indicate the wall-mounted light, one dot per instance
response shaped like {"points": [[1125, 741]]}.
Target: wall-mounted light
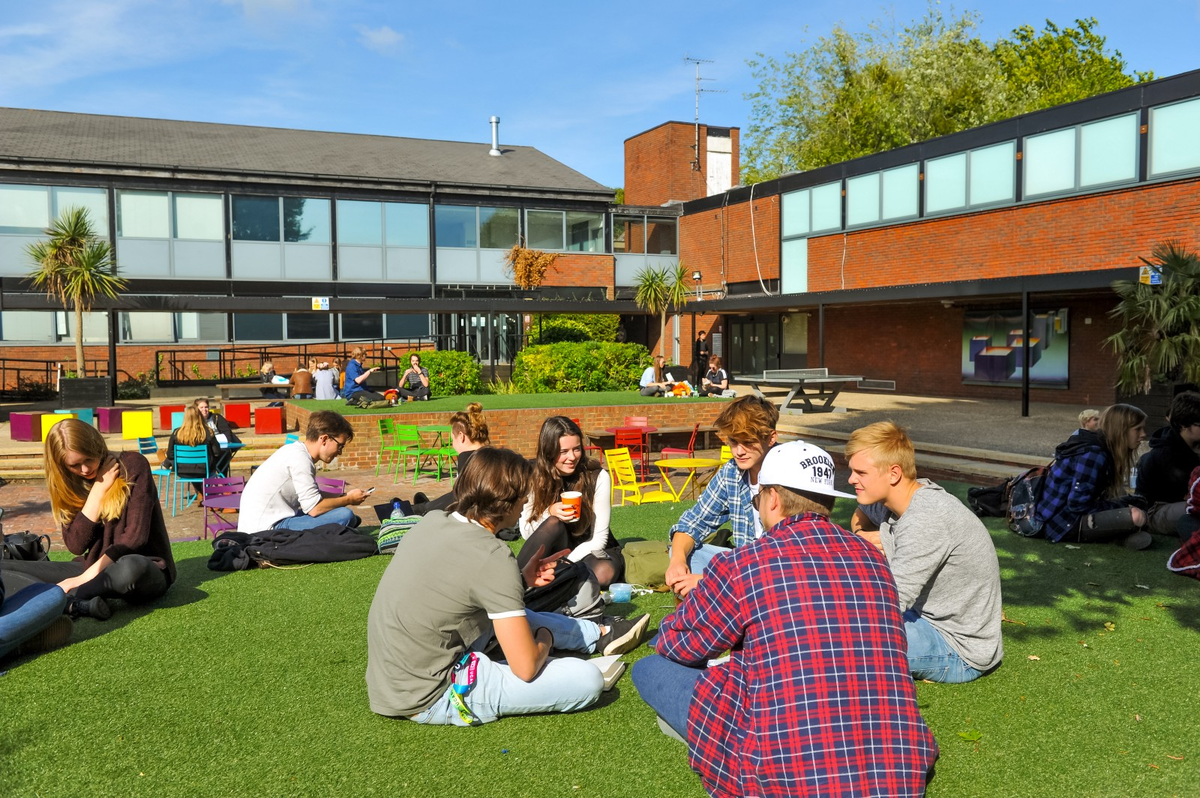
{"points": [[696, 277]]}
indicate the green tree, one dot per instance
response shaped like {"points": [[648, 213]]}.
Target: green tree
{"points": [[1159, 337], [75, 266], [853, 94], [659, 291]]}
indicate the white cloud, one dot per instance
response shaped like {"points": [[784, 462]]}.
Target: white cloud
{"points": [[382, 40]]}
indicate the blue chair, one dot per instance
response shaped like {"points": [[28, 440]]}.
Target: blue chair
{"points": [[292, 437], [148, 447], [176, 421], [187, 455]]}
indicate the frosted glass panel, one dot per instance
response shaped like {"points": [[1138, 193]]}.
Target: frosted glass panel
{"points": [[827, 207], [140, 257], [24, 209], [795, 214], [1108, 151], [946, 183], [1050, 162], [900, 187], [148, 327], [1174, 136], [360, 263], [992, 173], [95, 200], [795, 267], [199, 217], [862, 199], [143, 215]]}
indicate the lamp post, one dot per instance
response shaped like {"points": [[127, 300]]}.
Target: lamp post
{"points": [[696, 277]]}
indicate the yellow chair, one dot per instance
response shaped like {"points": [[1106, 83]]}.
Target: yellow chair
{"points": [[726, 454], [620, 466], [50, 419], [137, 424]]}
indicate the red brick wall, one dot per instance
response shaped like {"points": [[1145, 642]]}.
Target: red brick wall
{"points": [[658, 164], [518, 429], [919, 346], [725, 249], [577, 268]]}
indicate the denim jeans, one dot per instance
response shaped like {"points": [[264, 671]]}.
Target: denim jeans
{"points": [[29, 611], [702, 555], [338, 515], [931, 657], [564, 685], [667, 687]]}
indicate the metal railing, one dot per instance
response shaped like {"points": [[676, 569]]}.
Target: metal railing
{"points": [[31, 380]]}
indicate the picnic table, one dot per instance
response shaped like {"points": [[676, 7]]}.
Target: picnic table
{"points": [[812, 390], [257, 387]]}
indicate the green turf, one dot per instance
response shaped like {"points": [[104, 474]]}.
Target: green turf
{"points": [[252, 684], [449, 404]]}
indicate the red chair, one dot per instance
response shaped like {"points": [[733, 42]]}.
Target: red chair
{"points": [[587, 446], [634, 440], [637, 421], [690, 451]]}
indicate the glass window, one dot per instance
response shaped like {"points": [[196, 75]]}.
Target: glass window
{"points": [[255, 219], [795, 213], [360, 222], [629, 235], [258, 326], [1050, 162], [1173, 137], [454, 226], [407, 325], [407, 225], [28, 325], [900, 187], [992, 173], [201, 326], [307, 326], [661, 238], [143, 214], [199, 217], [24, 209], [95, 200], [1108, 151], [946, 183], [585, 231], [498, 227], [544, 230], [147, 326], [862, 199], [794, 274], [305, 220], [362, 325], [827, 207]]}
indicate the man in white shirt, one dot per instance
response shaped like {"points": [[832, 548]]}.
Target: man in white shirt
{"points": [[283, 493]]}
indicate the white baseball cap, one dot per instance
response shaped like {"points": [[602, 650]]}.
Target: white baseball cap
{"points": [[800, 466]]}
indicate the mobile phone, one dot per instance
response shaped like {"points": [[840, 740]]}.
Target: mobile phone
{"points": [[369, 491]]}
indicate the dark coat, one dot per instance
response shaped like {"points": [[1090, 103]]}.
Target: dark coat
{"points": [[1163, 471]]}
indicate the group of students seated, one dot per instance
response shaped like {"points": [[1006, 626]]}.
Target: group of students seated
{"points": [[325, 380], [658, 380]]}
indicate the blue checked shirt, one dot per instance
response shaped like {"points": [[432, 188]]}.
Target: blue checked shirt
{"points": [[1074, 487], [727, 498]]}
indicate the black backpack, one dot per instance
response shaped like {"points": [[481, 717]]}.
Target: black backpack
{"points": [[989, 502], [1024, 493]]}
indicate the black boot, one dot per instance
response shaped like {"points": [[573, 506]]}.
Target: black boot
{"points": [[95, 607]]}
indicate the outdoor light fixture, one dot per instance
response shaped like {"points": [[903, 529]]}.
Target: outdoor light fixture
{"points": [[696, 277]]}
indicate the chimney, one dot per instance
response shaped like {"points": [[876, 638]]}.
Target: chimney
{"points": [[495, 150]]}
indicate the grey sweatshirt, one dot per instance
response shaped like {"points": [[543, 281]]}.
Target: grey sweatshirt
{"points": [[946, 570]]}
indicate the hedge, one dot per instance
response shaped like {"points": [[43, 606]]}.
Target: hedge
{"points": [[450, 373], [588, 366]]}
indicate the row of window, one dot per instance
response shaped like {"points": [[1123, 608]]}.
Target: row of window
{"points": [[1082, 157]]}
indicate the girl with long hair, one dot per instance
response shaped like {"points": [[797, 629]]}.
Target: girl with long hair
{"points": [[562, 465], [108, 507], [1085, 497], [468, 434], [194, 432]]}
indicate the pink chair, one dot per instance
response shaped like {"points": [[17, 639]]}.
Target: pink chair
{"points": [[221, 495]]}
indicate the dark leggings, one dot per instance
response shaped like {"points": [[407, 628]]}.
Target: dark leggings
{"points": [[556, 536], [420, 392], [1106, 526], [133, 578], [440, 503]]}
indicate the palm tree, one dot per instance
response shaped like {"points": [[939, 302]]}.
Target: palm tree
{"points": [[1160, 335], [75, 266], [653, 296]]}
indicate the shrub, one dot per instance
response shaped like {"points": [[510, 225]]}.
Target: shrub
{"points": [[135, 387], [562, 330], [590, 366], [450, 373], [598, 326]]}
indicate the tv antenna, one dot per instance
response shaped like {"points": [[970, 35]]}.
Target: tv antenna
{"points": [[687, 59]]}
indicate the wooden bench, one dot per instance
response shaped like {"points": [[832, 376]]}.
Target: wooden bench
{"points": [[255, 387]]}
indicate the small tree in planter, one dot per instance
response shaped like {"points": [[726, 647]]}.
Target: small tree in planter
{"points": [[528, 267], [658, 291], [1159, 340], [75, 266]]}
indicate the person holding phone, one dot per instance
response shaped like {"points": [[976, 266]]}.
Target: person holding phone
{"points": [[414, 382], [356, 378]]}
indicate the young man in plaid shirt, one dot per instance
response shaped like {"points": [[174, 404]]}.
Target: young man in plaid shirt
{"points": [[748, 425], [815, 698]]}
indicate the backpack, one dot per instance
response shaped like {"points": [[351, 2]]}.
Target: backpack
{"points": [[364, 401], [990, 502], [25, 546], [646, 562], [1024, 493]]}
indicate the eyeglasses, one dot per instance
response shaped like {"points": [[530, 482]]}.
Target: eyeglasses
{"points": [[340, 444]]}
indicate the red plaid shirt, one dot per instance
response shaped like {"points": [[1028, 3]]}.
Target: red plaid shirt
{"points": [[816, 698]]}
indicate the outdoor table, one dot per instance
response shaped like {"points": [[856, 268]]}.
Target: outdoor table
{"points": [[137, 424], [802, 382], [645, 430], [689, 464], [439, 447]]}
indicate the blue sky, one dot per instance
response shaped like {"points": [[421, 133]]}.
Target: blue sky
{"points": [[572, 79]]}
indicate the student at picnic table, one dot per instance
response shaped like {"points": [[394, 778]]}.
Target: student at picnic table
{"points": [[941, 557], [302, 381], [325, 381], [112, 520], [282, 493], [748, 426], [815, 696], [451, 588]]}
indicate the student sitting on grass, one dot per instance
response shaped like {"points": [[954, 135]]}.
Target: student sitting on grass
{"points": [[1084, 499], [1162, 474], [653, 383], [942, 559], [748, 425], [815, 698], [414, 382], [282, 493], [452, 586], [468, 434], [108, 507]]}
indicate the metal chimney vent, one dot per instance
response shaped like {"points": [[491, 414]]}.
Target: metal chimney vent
{"points": [[495, 150]]}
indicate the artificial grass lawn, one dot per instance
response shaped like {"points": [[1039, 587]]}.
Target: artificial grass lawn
{"points": [[449, 404], [252, 684]]}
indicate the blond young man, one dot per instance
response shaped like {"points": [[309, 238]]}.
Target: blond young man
{"points": [[941, 556]]}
